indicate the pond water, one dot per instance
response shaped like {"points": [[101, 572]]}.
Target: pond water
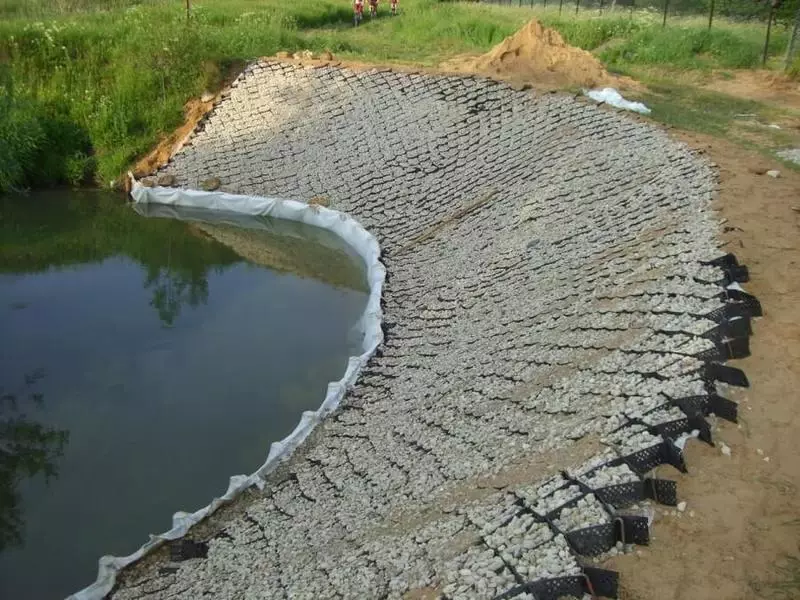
{"points": [[143, 362]]}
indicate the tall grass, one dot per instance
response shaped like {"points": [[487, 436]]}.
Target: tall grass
{"points": [[97, 82], [49, 8]]}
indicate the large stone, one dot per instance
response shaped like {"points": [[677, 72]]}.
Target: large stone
{"points": [[166, 180], [210, 184]]}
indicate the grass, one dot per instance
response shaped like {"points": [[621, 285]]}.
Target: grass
{"points": [[87, 86], [739, 120]]}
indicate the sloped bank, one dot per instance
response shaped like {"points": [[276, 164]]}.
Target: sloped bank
{"points": [[546, 289]]}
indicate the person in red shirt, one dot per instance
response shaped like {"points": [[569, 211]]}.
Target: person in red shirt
{"points": [[358, 11], [373, 8]]}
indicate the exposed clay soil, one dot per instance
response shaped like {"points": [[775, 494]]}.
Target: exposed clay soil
{"points": [[743, 540], [539, 56]]}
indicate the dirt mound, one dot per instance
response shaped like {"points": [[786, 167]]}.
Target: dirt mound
{"points": [[538, 55]]}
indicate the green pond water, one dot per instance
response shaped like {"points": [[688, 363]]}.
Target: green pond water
{"points": [[143, 362]]}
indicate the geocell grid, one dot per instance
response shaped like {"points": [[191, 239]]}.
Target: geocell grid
{"points": [[546, 311]]}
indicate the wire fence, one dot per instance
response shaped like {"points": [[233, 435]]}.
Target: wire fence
{"points": [[733, 10], [769, 13]]}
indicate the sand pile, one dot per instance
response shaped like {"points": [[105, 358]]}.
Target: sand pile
{"points": [[540, 55]]}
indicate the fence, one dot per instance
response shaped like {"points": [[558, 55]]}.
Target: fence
{"points": [[736, 10], [785, 14]]}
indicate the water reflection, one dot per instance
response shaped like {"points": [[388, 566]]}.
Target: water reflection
{"points": [[27, 449], [173, 287], [284, 246], [60, 229]]}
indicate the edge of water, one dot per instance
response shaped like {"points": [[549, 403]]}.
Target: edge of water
{"points": [[366, 246]]}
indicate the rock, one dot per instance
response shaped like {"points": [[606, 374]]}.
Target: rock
{"points": [[327, 55], [757, 170], [320, 201], [211, 184], [725, 449], [148, 182], [283, 55], [681, 506], [206, 97], [165, 180], [774, 173]]}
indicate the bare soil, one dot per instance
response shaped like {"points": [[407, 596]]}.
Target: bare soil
{"points": [[539, 57], [739, 537]]}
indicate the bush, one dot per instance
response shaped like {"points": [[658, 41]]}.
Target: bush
{"points": [[686, 47], [21, 138], [40, 144]]}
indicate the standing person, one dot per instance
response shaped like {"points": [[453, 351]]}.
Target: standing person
{"points": [[358, 11], [394, 8], [373, 8]]}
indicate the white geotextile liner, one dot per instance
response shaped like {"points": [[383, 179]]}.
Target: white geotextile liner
{"points": [[366, 246], [615, 99]]}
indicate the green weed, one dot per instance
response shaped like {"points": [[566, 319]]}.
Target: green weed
{"points": [[694, 110]]}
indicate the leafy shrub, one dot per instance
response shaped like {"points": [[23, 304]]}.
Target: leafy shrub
{"points": [[21, 137]]}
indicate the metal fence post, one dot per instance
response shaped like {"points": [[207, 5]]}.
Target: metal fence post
{"points": [[711, 14], [560, 6], [577, 6], [666, 8], [769, 30], [790, 48]]}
